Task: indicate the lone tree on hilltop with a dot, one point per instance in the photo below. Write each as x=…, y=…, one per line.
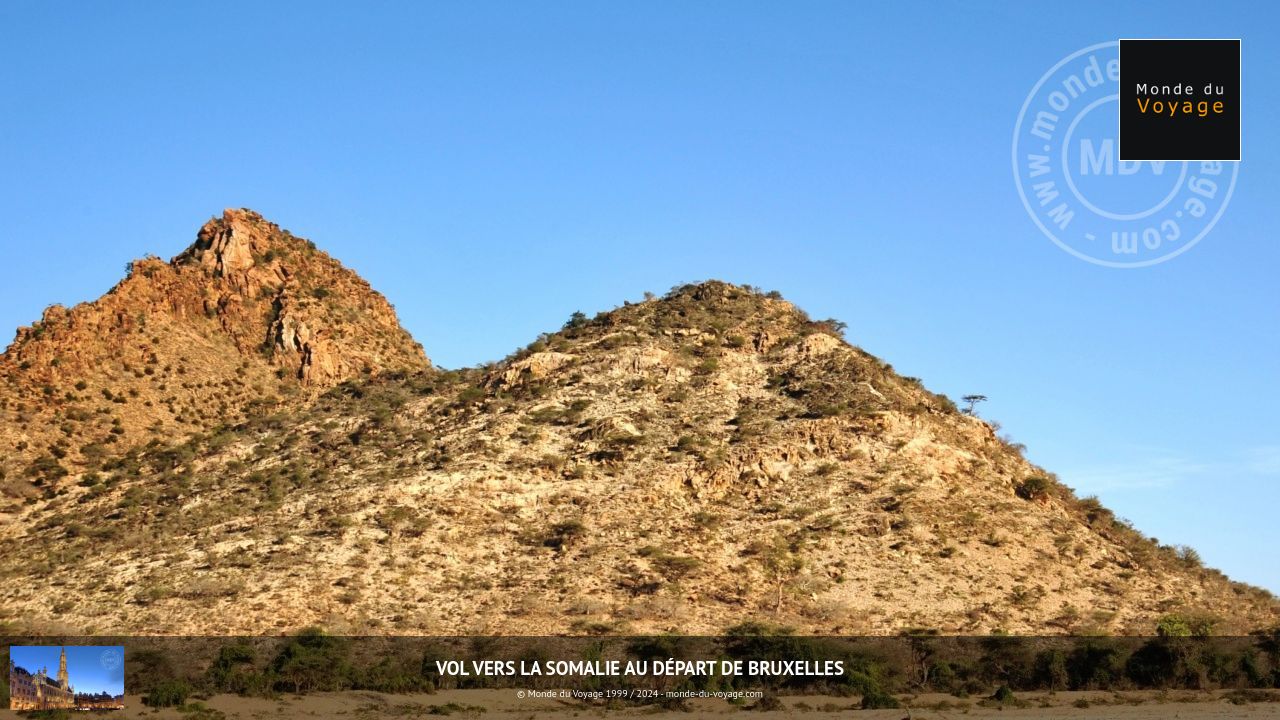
x=576, y=320
x=972, y=403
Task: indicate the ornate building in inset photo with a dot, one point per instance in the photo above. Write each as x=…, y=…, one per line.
x=39, y=691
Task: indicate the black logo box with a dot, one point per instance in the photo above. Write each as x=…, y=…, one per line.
x=1187, y=68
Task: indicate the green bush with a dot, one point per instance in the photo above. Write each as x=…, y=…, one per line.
x=879, y=700
x=233, y=670
x=167, y=693
x=471, y=395
x=1159, y=663
x=577, y=320
x=1096, y=664
x=1051, y=669
x=313, y=661
x=1173, y=626
x=563, y=534
x=1035, y=488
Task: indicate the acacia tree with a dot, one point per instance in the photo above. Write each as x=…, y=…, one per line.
x=780, y=562
x=972, y=403
x=576, y=320
x=391, y=521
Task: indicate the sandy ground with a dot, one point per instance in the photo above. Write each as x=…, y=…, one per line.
x=506, y=704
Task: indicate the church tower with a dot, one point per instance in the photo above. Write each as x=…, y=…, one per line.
x=63, y=682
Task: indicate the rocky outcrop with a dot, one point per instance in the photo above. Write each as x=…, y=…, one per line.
x=248, y=314
x=307, y=353
x=538, y=365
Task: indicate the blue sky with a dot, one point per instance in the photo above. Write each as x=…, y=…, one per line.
x=86, y=668
x=492, y=167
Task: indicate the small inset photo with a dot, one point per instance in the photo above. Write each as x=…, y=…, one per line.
x=71, y=677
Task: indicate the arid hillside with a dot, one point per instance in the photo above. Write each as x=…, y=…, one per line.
x=682, y=464
x=248, y=318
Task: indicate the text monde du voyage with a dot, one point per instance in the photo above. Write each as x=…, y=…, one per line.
x=1179, y=99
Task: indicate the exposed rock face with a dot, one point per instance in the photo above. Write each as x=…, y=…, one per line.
x=678, y=465
x=537, y=365
x=228, y=249
x=248, y=316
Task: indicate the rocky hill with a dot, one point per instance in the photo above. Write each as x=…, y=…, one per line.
x=247, y=319
x=682, y=464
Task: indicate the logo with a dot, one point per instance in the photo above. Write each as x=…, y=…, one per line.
x=111, y=658
x=1107, y=211
x=1180, y=100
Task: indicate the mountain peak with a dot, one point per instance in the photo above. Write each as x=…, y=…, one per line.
x=246, y=317
x=244, y=248
x=234, y=242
